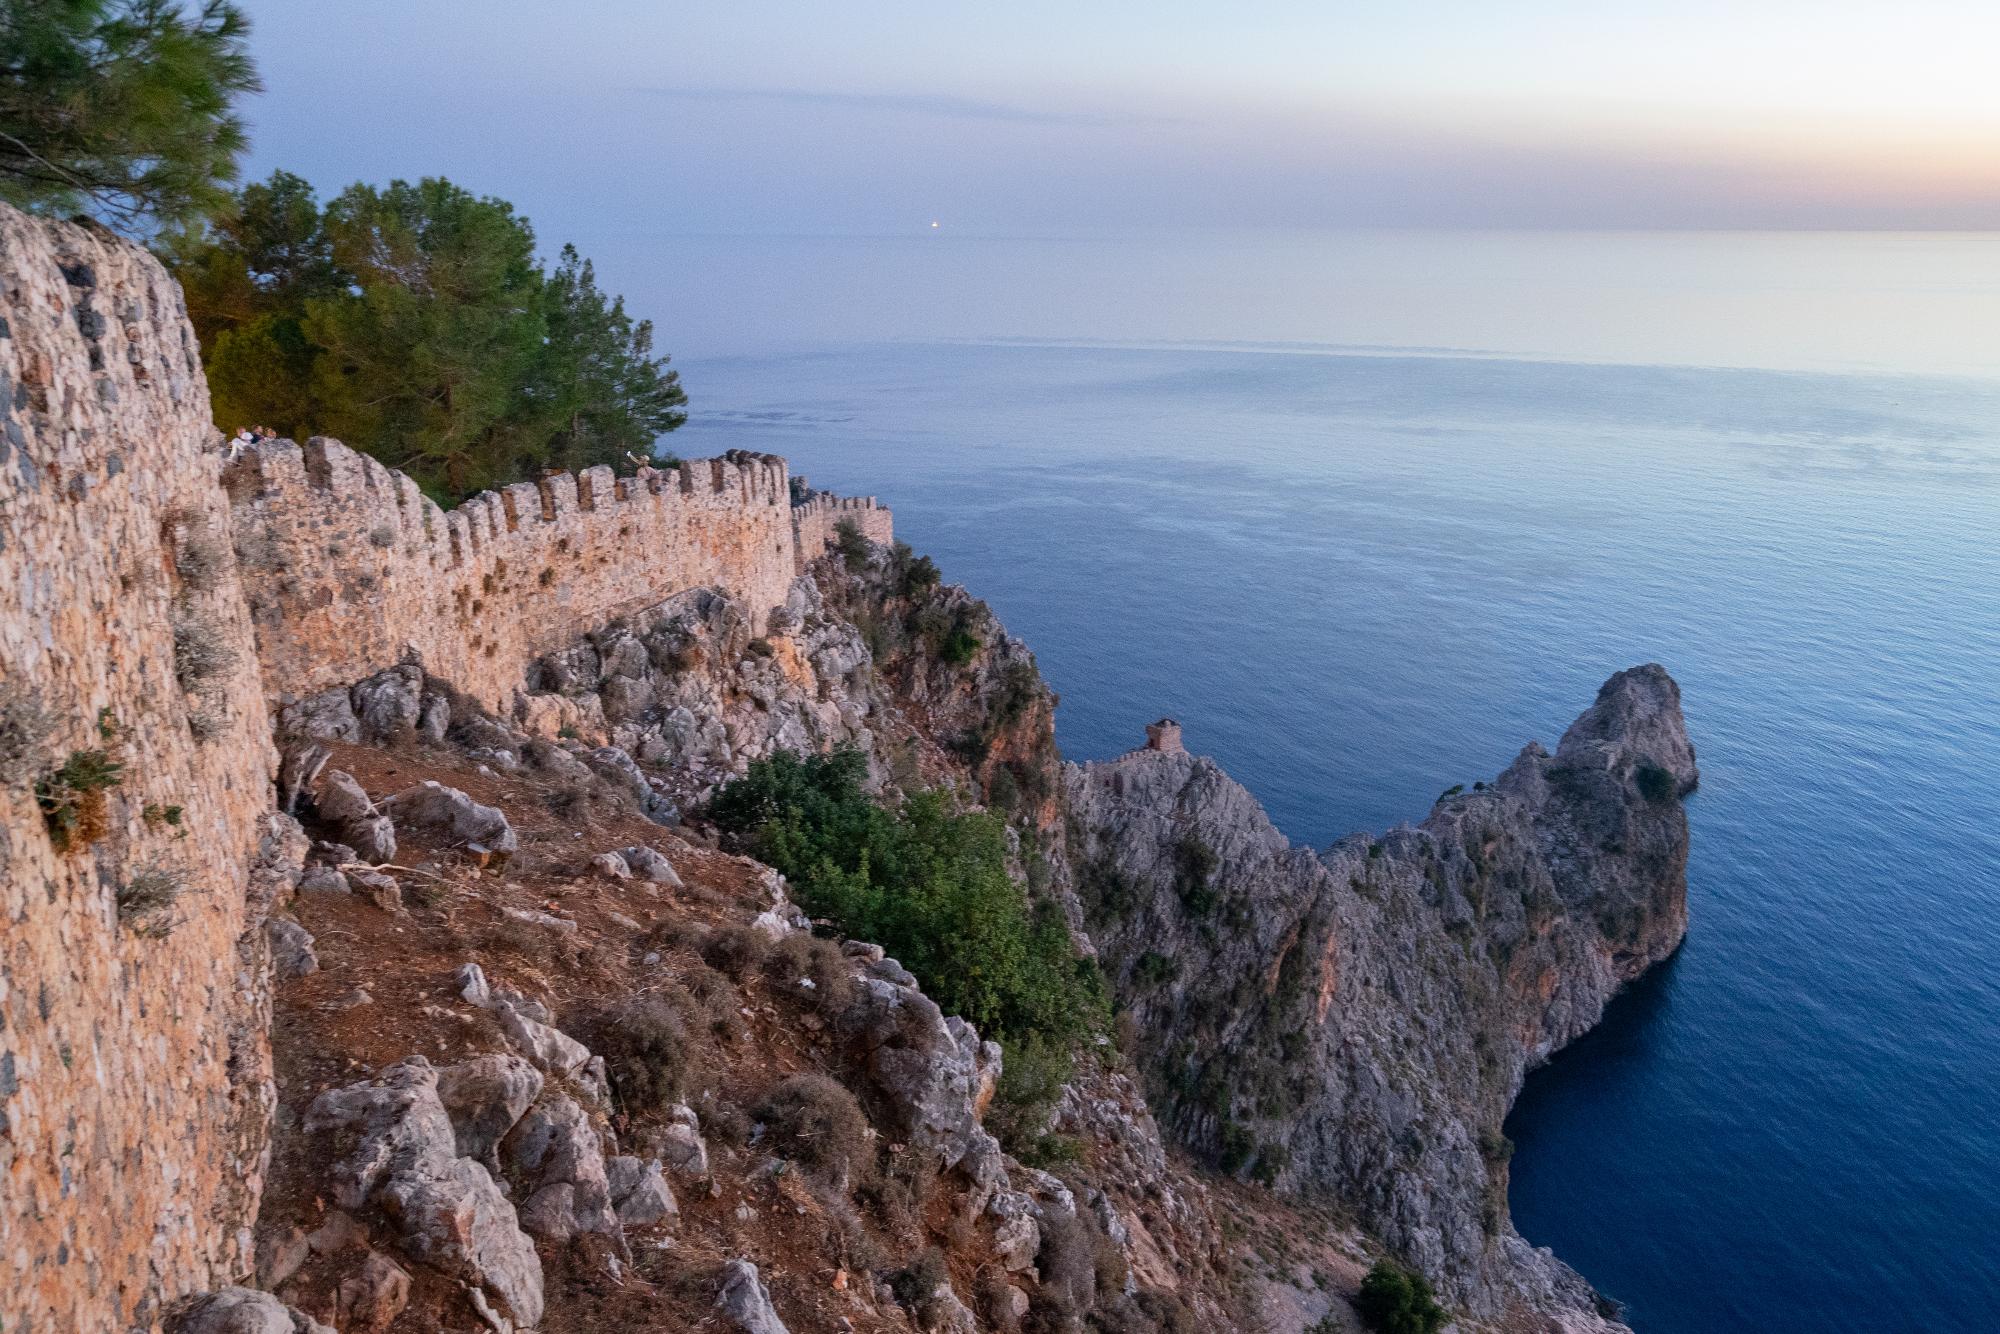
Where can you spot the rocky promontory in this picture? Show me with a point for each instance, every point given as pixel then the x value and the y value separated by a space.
pixel 1355 1021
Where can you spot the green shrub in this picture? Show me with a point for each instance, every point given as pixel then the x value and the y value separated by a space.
pixel 1154 969
pixel 1395 1301
pixel 1655 783
pixel 957 647
pixel 1239 1146
pixel 1194 863
pixel 1031 1079
pixel 918 573
pixel 926 881
pixel 849 542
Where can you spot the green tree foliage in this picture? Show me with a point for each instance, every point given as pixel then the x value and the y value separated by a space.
pixel 927 882
pixel 248 284
pixel 607 391
pixel 121 108
pixel 414 322
pixel 1395 1301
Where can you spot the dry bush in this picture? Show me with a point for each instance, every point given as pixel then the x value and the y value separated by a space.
pixel 200 655
pixel 1148 1311
pixel 724 1122
pixel 25 727
pixel 917 1283
pixel 530 942
pixel 796 959
pixel 200 558
pixel 146 899
pixel 992 1298
pixel 1067 1263
pixel 655 1045
pixel 206 724
pixel 900 1192
pixel 736 950
pixel 815 1122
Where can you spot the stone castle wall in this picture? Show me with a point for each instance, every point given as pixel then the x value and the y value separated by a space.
pixel 817 522
pixel 134 1066
pixel 351 569
pixel 156 593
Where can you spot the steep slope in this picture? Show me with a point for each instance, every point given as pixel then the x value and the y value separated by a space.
pixel 547 1056
pixel 1354 1023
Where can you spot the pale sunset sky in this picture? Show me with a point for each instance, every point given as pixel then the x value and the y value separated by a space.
pixel 880 116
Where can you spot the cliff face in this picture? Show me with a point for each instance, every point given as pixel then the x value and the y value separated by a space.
pixel 135 761
pixel 544 1055
pixel 1356 1021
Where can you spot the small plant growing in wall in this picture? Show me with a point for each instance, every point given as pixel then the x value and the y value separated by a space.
pixel 25 726
pixel 158 816
pixel 147 898
pixel 72 798
pixel 200 656
pixel 199 556
pixel 1154 969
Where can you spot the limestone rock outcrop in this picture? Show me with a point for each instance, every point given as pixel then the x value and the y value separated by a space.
pixel 1357 1021
pixel 241 1311
pixel 452 817
pixel 398 1153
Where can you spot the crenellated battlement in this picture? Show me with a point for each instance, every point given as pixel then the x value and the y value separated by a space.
pixel 816 523
pixel 350 568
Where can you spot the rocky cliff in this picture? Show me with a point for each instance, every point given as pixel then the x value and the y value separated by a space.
pixel 446 1011
pixel 1355 1022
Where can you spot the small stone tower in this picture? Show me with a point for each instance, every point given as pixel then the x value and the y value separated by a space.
pixel 1165 736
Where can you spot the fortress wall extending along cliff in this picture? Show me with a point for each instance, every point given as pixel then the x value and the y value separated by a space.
pixel 818 520
pixel 351 569
pixel 134 1066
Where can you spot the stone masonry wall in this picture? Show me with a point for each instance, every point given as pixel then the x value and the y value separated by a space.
pixel 351 569
pixel 134 1068
pixel 818 519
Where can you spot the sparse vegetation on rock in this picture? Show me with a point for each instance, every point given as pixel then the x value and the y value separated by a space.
pixel 72 798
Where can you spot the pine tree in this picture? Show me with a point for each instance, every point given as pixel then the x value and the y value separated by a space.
pixel 611 396
pixel 414 323
pixel 121 108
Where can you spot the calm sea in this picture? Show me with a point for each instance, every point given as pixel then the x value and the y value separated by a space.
pixel 1361 574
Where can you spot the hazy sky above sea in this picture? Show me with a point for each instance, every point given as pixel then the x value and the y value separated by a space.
pixel 881 116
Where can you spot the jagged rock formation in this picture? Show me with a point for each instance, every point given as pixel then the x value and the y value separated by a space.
pixel 1356 1022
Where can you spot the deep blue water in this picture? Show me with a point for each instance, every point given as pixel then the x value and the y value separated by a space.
pixel 1361 579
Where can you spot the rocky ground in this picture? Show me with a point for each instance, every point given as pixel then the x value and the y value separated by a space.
pixel 548 1057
